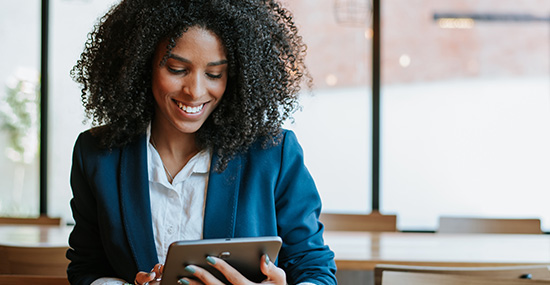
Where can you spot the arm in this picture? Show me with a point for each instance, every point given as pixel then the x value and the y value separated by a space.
pixel 87 255
pixel 304 256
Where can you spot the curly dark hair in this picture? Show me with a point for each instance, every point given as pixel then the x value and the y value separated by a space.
pixel 265 60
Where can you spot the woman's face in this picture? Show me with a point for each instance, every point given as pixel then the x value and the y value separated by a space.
pixel 189 86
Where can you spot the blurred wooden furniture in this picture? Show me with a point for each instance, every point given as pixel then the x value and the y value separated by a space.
pixel 34 235
pixel 33 260
pixel 374 222
pixel 485 225
pixel 8 279
pixel 41 220
pixel 33 251
pixel 415 278
pixel 504 272
pixel 364 250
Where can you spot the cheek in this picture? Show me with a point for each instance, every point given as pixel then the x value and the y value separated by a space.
pixel 218 89
pixel 163 85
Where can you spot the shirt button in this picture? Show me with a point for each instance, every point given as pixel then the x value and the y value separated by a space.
pixel 170 230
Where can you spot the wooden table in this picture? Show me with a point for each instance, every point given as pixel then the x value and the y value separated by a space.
pixel 36 250
pixel 363 250
pixel 32 235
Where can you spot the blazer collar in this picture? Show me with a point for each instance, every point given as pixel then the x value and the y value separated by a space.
pixel 135 204
pixel 221 200
pixel 219 214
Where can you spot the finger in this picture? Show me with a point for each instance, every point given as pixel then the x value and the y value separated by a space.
pixel 275 275
pixel 202 274
pixel 187 281
pixel 144 277
pixel 157 269
pixel 230 273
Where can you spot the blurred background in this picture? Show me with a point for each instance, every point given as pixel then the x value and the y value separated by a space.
pixel 465 106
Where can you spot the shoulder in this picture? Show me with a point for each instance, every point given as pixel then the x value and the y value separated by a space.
pixel 88 141
pixel 98 135
pixel 89 144
pixel 285 141
pixel 273 153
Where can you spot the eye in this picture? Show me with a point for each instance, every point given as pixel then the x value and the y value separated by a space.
pixel 214 76
pixel 176 71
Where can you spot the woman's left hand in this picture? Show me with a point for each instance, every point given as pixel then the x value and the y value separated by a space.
pixel 275 275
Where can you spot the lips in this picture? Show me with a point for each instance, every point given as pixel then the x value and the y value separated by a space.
pixel 189 109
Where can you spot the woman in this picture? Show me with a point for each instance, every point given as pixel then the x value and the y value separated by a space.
pixel 189 97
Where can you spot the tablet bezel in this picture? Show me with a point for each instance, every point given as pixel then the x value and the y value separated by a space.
pixel 244 254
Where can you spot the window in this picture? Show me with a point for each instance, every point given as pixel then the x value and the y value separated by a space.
pixel 71 21
pixel 19 110
pixel 465 105
pixel 334 125
pixel 465 110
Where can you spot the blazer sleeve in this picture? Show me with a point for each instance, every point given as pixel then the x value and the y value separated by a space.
pixel 87 255
pixel 304 255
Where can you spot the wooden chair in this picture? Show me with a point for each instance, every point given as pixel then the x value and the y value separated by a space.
pixel 374 222
pixel 8 279
pixel 41 220
pixel 485 225
pixel 46 261
pixel 415 278
pixel 504 272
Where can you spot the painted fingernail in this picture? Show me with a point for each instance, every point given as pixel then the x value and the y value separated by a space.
pixel 266 259
pixel 211 260
pixel 183 282
pixel 189 269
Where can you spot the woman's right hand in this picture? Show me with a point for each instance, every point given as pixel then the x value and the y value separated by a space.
pixel 151 278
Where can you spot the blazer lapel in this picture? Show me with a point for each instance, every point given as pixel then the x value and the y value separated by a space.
pixel 135 204
pixel 221 200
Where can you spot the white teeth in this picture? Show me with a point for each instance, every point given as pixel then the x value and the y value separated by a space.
pixel 189 109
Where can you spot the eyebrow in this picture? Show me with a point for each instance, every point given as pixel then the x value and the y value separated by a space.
pixel 182 59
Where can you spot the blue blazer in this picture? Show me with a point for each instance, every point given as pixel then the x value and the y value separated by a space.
pixel 263 192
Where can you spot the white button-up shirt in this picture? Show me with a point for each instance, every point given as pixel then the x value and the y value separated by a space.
pixel 177 208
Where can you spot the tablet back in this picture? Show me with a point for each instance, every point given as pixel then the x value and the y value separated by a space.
pixel 242 253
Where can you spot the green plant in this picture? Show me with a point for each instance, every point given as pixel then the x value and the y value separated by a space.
pixel 19 113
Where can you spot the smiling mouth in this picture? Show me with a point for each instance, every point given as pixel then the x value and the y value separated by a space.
pixel 189 109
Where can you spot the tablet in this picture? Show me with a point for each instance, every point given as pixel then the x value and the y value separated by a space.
pixel 244 254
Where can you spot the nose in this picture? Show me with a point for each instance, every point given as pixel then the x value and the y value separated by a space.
pixel 194 85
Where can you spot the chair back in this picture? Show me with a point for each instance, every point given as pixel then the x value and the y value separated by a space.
pixel 374 222
pixel 486 225
pixel 9 279
pixel 500 272
pixel 41 220
pixel 35 260
pixel 416 278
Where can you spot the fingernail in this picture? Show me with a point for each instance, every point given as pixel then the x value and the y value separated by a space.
pixel 266 259
pixel 183 282
pixel 211 260
pixel 189 269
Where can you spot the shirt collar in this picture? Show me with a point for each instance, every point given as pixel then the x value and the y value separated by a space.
pixel 200 163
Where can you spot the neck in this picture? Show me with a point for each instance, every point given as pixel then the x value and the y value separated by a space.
pixel 174 147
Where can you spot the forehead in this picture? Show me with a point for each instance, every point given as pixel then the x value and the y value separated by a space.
pixel 196 41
